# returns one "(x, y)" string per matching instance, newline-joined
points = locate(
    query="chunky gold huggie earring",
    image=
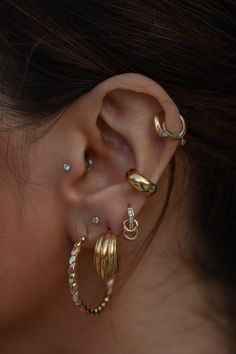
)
(163, 132)
(141, 183)
(130, 226)
(73, 283)
(105, 256)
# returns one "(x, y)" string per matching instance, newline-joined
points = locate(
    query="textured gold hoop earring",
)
(74, 285)
(141, 183)
(105, 256)
(163, 132)
(130, 226)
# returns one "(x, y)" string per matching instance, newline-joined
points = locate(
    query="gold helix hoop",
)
(139, 182)
(130, 226)
(163, 132)
(74, 285)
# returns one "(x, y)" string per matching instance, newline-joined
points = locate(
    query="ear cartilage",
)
(67, 167)
(163, 132)
(141, 183)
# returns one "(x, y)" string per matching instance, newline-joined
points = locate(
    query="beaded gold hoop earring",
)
(74, 284)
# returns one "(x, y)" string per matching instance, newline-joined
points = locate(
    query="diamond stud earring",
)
(96, 220)
(67, 167)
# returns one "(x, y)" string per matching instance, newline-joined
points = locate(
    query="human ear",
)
(114, 126)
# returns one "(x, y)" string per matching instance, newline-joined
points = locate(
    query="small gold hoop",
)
(139, 182)
(163, 132)
(74, 287)
(105, 256)
(127, 230)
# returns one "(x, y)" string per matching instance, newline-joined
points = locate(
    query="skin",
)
(158, 302)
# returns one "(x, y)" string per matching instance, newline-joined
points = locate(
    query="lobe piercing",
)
(96, 220)
(67, 167)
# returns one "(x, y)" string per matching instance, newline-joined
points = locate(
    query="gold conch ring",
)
(163, 132)
(139, 182)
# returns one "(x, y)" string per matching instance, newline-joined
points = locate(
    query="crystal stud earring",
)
(96, 220)
(67, 167)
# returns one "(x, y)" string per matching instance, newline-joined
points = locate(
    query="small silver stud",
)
(88, 164)
(96, 220)
(67, 167)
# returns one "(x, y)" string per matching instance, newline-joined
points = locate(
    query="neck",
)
(158, 307)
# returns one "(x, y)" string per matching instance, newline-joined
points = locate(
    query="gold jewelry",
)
(105, 256)
(73, 283)
(163, 132)
(141, 183)
(130, 226)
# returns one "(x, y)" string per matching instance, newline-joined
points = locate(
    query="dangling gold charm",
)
(130, 226)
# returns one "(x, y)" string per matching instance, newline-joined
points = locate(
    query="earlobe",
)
(120, 132)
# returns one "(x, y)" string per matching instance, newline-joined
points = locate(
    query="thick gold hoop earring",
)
(163, 132)
(106, 257)
(130, 226)
(141, 183)
(74, 284)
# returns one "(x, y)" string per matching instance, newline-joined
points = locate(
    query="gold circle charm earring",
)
(130, 226)
(163, 132)
(139, 182)
(73, 277)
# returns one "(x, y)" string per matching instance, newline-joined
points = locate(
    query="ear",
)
(113, 124)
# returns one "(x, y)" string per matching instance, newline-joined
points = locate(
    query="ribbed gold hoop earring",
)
(139, 182)
(163, 132)
(105, 256)
(74, 284)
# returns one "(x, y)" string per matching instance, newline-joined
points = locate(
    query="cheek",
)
(33, 254)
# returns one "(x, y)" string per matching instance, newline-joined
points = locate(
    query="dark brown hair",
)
(53, 51)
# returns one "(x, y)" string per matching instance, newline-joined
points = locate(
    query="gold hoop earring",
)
(130, 226)
(141, 183)
(163, 132)
(105, 256)
(74, 284)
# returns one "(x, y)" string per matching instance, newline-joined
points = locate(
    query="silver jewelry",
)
(67, 167)
(88, 164)
(96, 220)
(163, 132)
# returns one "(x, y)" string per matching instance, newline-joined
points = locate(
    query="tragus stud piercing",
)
(67, 167)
